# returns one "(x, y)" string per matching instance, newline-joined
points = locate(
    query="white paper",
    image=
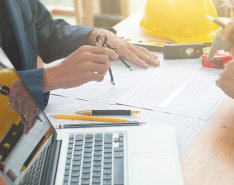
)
(186, 128)
(182, 87)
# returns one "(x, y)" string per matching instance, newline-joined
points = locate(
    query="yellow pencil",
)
(89, 118)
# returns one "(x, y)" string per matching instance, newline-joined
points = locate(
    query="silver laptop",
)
(127, 155)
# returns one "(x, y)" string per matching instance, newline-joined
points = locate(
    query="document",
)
(181, 87)
(185, 128)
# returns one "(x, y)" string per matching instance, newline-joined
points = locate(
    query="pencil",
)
(89, 118)
(109, 112)
(37, 148)
(120, 58)
(111, 76)
(125, 63)
(101, 39)
(216, 21)
(106, 124)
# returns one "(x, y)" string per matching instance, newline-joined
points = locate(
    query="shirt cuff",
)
(33, 80)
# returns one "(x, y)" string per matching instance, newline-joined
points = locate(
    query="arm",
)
(56, 38)
(53, 35)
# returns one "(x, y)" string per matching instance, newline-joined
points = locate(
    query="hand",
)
(135, 54)
(88, 63)
(22, 101)
(226, 79)
(227, 34)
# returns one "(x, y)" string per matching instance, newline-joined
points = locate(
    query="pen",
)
(101, 39)
(109, 112)
(111, 76)
(120, 58)
(125, 63)
(37, 148)
(107, 124)
(216, 21)
(89, 118)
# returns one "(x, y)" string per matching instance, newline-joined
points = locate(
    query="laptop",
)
(126, 155)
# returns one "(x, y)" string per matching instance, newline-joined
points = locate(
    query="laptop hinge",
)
(51, 163)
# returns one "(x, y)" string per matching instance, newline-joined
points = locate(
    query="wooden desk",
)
(209, 160)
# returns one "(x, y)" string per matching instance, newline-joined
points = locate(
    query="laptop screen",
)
(17, 149)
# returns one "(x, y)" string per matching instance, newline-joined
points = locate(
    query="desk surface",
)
(210, 157)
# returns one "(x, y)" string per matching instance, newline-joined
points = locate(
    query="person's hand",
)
(88, 63)
(226, 79)
(22, 101)
(227, 34)
(135, 54)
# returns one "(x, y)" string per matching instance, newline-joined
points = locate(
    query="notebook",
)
(127, 155)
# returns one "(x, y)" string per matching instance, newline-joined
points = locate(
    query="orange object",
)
(218, 61)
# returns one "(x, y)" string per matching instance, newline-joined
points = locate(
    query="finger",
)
(232, 37)
(26, 129)
(31, 121)
(101, 50)
(218, 82)
(98, 58)
(129, 55)
(232, 51)
(227, 32)
(21, 108)
(144, 54)
(146, 51)
(100, 68)
(97, 77)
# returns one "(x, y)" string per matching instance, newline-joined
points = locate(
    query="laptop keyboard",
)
(33, 175)
(95, 159)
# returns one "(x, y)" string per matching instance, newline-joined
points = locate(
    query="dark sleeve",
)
(56, 38)
(33, 79)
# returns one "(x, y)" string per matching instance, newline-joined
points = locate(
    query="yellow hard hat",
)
(7, 115)
(182, 21)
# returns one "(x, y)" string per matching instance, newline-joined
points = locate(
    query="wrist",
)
(51, 78)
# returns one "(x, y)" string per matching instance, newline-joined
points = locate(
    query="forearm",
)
(53, 78)
(56, 38)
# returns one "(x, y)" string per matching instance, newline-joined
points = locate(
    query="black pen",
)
(103, 124)
(117, 112)
(125, 63)
(120, 58)
(101, 39)
(111, 76)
